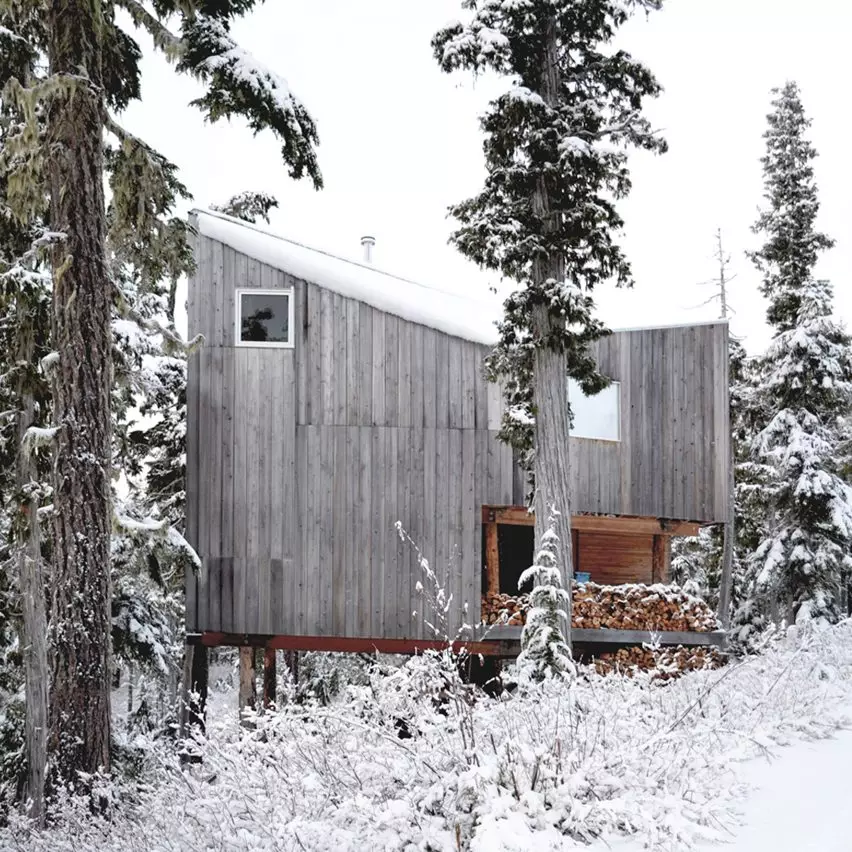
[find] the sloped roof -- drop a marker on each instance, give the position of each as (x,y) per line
(454,313)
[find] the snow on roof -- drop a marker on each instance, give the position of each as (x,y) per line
(456,314)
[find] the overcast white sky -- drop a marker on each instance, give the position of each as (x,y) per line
(400,141)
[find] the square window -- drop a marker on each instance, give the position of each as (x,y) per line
(264,318)
(596,416)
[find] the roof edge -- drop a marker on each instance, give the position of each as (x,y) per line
(424,288)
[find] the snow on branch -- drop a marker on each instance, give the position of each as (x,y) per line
(30,268)
(49,362)
(477,45)
(240,85)
(543,645)
(131,324)
(36,437)
(160,529)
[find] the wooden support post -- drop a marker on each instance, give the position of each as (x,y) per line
(270,679)
(291,660)
(492,559)
(575,547)
(248,685)
(661,559)
(194,698)
(198,685)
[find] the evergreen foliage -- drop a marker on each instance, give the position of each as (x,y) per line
(543,646)
(577,150)
(145,251)
(803,505)
(248,206)
(556,147)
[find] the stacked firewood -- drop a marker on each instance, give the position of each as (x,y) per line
(664,664)
(639,607)
(504,609)
(628,607)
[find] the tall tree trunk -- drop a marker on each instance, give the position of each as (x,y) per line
(726,578)
(550,373)
(79,738)
(36,672)
(728,533)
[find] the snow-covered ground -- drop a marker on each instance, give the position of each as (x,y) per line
(754,755)
(800,800)
(797,801)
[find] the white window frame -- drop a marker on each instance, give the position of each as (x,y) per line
(258,291)
(616,440)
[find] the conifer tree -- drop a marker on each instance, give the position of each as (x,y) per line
(248,206)
(58,152)
(805,389)
(24,403)
(543,646)
(556,153)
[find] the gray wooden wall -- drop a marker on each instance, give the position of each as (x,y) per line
(671,461)
(301,461)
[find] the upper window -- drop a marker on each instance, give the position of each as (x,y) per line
(265,318)
(597,416)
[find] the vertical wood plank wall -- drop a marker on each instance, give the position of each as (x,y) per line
(301,461)
(671,459)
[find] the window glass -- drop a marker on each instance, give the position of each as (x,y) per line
(265,318)
(595,416)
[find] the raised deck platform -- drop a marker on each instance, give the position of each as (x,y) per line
(499,640)
(503,633)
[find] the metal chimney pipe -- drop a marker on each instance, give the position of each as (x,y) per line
(367,244)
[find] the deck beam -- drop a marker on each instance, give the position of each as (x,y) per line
(615,524)
(604,636)
(490,640)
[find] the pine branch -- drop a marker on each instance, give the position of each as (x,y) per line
(164,39)
(239,85)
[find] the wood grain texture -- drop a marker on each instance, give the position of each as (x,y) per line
(613,559)
(300,461)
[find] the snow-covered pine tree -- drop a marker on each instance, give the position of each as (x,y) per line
(556,153)
(543,647)
(93,72)
(804,389)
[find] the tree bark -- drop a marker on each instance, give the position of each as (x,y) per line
(726,578)
(36,673)
(248,685)
(79,737)
(724,612)
(270,679)
(550,372)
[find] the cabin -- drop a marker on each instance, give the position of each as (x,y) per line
(333,405)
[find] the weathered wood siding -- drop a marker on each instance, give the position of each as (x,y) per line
(671,459)
(300,462)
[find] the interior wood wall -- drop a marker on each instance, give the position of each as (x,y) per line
(613,559)
(301,461)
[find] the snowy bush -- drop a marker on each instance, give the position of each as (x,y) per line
(608,756)
(323,676)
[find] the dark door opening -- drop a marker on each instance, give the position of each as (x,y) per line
(515,550)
